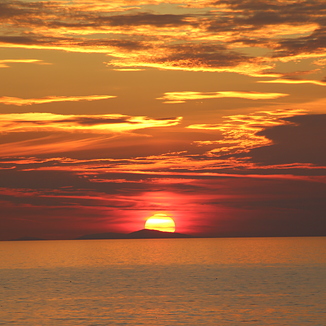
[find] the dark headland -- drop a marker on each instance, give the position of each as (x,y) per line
(141,234)
(28,239)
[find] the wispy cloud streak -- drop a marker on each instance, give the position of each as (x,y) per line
(50,99)
(5,63)
(107,123)
(241,132)
(293,81)
(182,97)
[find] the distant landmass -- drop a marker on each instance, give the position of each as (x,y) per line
(154,234)
(27,239)
(141,234)
(145,233)
(108,235)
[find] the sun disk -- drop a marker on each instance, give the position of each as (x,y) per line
(160,222)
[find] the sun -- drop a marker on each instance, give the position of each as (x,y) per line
(160,222)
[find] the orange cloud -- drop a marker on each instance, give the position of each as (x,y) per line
(277,30)
(129,69)
(320,62)
(4,63)
(194,58)
(182,97)
(102,124)
(293,81)
(216,39)
(49,99)
(241,131)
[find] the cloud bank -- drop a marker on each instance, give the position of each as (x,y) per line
(194,36)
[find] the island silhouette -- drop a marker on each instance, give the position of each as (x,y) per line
(27,239)
(140,234)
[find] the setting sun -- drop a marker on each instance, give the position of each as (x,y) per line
(160,222)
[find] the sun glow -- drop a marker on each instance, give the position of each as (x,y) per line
(160,222)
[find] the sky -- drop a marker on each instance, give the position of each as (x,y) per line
(210,112)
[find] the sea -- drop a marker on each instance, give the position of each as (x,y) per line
(221,281)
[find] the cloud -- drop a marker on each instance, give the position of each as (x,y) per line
(129,69)
(240,145)
(107,123)
(116,135)
(145,19)
(241,132)
(208,57)
(293,81)
(182,97)
(112,47)
(5,63)
(300,141)
(249,144)
(50,99)
(214,39)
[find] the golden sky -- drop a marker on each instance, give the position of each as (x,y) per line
(211,112)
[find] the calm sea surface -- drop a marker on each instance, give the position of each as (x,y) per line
(243,281)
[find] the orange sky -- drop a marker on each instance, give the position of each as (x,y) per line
(212,112)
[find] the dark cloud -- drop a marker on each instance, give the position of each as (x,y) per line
(26,40)
(254,15)
(39,40)
(55,16)
(140,19)
(203,54)
(7,10)
(301,142)
(88,121)
(267,207)
(41,179)
(249,6)
(123,44)
(235,26)
(314,43)
(270,18)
